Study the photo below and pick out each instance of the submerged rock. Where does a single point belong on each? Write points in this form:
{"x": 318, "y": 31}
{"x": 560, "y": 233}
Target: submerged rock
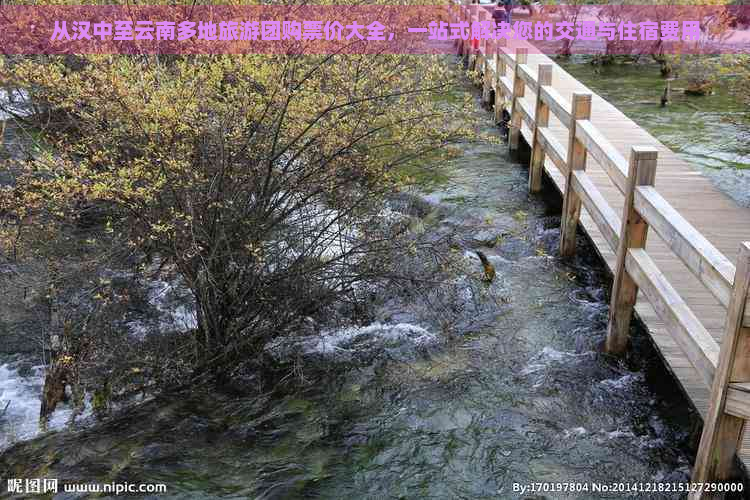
{"x": 486, "y": 237}
{"x": 360, "y": 343}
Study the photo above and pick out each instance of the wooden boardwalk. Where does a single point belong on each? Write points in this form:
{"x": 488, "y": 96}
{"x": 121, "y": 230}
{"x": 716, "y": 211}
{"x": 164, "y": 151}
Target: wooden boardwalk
{"x": 713, "y": 214}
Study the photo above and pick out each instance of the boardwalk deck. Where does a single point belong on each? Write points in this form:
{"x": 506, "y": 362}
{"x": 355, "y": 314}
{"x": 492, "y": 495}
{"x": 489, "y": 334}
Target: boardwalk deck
{"x": 715, "y": 215}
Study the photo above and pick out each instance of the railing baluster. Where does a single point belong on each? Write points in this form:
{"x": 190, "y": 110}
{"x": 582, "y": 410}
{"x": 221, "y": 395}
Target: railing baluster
{"x": 466, "y": 44}
{"x": 472, "y": 51}
{"x": 722, "y": 433}
{"x": 541, "y": 119}
{"x": 642, "y": 172}
{"x": 519, "y": 89}
{"x": 580, "y": 110}
{"x": 499, "y": 72}
{"x": 487, "y": 80}
{"x": 482, "y": 43}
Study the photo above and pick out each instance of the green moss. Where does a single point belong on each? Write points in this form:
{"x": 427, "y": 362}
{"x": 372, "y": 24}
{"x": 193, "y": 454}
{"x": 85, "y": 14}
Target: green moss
{"x": 455, "y": 199}
{"x": 427, "y": 176}
{"x": 350, "y": 392}
{"x": 296, "y": 405}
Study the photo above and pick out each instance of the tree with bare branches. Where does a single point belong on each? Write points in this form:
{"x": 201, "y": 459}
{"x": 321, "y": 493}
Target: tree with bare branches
{"x": 257, "y": 181}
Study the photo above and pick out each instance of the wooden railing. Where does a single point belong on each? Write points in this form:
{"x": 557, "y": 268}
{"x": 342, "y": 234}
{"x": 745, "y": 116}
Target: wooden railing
{"x": 726, "y": 370}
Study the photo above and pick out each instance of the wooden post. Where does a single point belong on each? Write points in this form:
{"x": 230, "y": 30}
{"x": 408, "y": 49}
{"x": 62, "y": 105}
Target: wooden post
{"x": 482, "y": 52}
{"x": 580, "y": 110}
{"x": 463, "y": 42}
{"x": 455, "y": 18}
{"x": 503, "y": 42}
{"x": 466, "y": 44}
{"x": 487, "y": 80}
{"x": 472, "y": 52}
{"x": 642, "y": 172}
{"x": 499, "y": 72}
{"x": 519, "y": 88}
{"x": 459, "y": 18}
{"x": 458, "y": 43}
{"x": 722, "y": 433}
{"x": 541, "y": 119}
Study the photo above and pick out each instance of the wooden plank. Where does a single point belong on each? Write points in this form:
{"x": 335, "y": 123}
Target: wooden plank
{"x": 606, "y": 219}
{"x": 604, "y": 153}
{"x": 694, "y": 340}
{"x": 738, "y": 400}
{"x": 711, "y": 267}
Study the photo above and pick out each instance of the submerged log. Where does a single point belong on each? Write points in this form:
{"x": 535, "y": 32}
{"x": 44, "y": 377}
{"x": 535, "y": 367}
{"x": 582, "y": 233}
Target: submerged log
{"x": 61, "y": 373}
{"x": 55, "y": 381}
{"x": 666, "y": 97}
{"x": 700, "y": 89}
{"x": 489, "y": 269}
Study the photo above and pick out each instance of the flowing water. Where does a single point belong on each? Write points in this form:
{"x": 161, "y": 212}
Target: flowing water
{"x": 402, "y": 410}
{"x": 710, "y": 132}
{"x": 20, "y": 387}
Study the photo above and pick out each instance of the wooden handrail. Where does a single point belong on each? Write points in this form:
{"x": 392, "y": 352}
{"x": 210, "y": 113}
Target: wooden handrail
{"x": 686, "y": 329}
{"x": 527, "y": 112}
{"x": 557, "y": 104}
{"x": 711, "y": 267}
{"x": 722, "y": 431}
{"x": 725, "y": 369}
{"x": 507, "y": 85}
{"x": 528, "y": 77}
{"x": 553, "y": 149}
{"x": 604, "y": 153}
{"x": 605, "y": 218}
{"x": 506, "y": 56}
{"x": 706, "y": 262}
